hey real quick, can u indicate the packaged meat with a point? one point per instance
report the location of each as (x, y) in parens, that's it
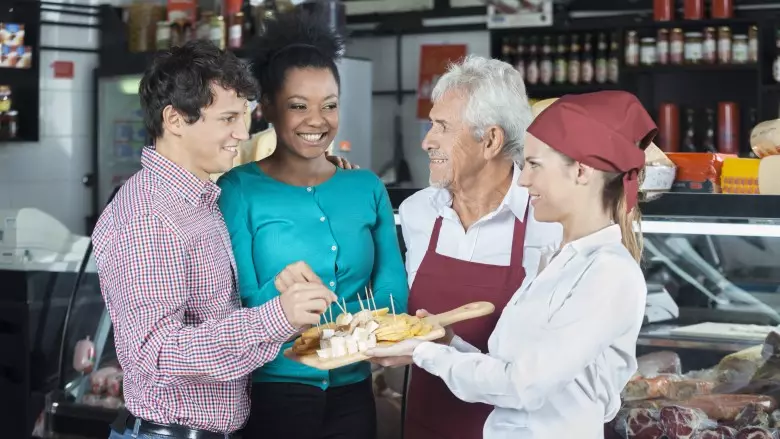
(99, 379)
(84, 356)
(687, 388)
(736, 370)
(641, 424)
(656, 363)
(719, 432)
(770, 352)
(752, 416)
(727, 407)
(765, 138)
(755, 433)
(648, 388)
(92, 400)
(114, 384)
(682, 422)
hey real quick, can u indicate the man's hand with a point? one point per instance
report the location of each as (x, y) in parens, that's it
(304, 303)
(297, 272)
(448, 333)
(341, 162)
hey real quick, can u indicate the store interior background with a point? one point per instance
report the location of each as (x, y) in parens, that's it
(49, 174)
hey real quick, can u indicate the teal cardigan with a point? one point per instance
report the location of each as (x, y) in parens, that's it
(343, 228)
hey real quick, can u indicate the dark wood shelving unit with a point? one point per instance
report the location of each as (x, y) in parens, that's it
(24, 83)
(696, 86)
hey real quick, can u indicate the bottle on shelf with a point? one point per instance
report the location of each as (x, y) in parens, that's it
(709, 132)
(560, 61)
(506, 50)
(520, 57)
(632, 48)
(587, 67)
(601, 59)
(776, 63)
(728, 125)
(613, 67)
(532, 69)
(545, 69)
(689, 140)
(574, 60)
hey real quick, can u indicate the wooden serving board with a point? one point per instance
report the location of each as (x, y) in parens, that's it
(439, 321)
(730, 331)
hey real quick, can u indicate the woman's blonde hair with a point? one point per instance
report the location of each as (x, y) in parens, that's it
(614, 200)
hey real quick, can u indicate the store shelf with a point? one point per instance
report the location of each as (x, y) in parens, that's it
(698, 68)
(555, 90)
(661, 336)
(682, 205)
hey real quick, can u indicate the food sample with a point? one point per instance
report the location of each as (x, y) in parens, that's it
(355, 333)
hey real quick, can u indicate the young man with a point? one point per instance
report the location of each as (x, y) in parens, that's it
(166, 270)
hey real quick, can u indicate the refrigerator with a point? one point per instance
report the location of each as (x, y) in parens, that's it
(120, 134)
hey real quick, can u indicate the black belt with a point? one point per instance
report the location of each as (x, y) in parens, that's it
(167, 430)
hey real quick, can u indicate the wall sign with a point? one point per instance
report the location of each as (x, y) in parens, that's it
(63, 69)
(434, 60)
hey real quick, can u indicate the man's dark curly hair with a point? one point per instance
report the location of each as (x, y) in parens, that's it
(183, 76)
(296, 39)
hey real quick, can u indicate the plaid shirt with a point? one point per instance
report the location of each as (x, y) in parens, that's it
(167, 275)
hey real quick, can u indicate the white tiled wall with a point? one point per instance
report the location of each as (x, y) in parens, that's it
(48, 174)
(382, 51)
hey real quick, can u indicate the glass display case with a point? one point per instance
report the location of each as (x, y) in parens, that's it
(707, 349)
(707, 259)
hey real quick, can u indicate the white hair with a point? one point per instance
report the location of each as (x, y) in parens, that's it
(495, 95)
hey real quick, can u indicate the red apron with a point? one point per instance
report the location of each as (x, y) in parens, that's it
(443, 283)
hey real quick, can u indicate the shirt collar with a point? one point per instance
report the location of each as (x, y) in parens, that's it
(194, 190)
(516, 198)
(608, 235)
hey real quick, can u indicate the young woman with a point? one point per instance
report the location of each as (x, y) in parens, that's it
(564, 346)
(296, 217)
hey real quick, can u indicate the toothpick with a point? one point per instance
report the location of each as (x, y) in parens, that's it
(343, 308)
(330, 311)
(318, 328)
(360, 302)
(344, 302)
(372, 299)
(392, 306)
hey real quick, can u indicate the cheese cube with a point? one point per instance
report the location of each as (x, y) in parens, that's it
(371, 341)
(363, 345)
(327, 333)
(360, 334)
(372, 326)
(352, 345)
(324, 344)
(324, 353)
(339, 346)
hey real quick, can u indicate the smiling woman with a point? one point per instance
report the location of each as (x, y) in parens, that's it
(294, 217)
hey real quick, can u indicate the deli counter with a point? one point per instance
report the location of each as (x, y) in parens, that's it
(712, 263)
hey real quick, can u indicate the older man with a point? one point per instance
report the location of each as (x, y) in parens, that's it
(471, 236)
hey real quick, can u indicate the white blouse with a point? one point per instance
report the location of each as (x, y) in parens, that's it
(563, 349)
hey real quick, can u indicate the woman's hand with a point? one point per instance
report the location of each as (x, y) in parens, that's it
(297, 272)
(400, 354)
(341, 162)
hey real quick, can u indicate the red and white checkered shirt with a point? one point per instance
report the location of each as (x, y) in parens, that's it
(167, 275)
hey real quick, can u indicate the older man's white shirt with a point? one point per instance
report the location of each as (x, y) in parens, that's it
(487, 241)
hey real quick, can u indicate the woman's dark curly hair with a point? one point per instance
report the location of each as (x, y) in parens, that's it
(296, 39)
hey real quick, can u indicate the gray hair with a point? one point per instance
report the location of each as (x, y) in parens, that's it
(495, 95)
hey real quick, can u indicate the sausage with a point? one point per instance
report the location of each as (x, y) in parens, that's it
(114, 384)
(727, 407)
(688, 388)
(648, 388)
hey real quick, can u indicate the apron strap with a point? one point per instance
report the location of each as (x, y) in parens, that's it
(518, 238)
(435, 235)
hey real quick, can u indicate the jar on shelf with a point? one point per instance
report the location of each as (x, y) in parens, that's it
(5, 98)
(710, 46)
(753, 44)
(739, 49)
(724, 45)
(163, 40)
(693, 9)
(662, 46)
(693, 47)
(722, 9)
(676, 46)
(632, 48)
(647, 51)
(663, 10)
